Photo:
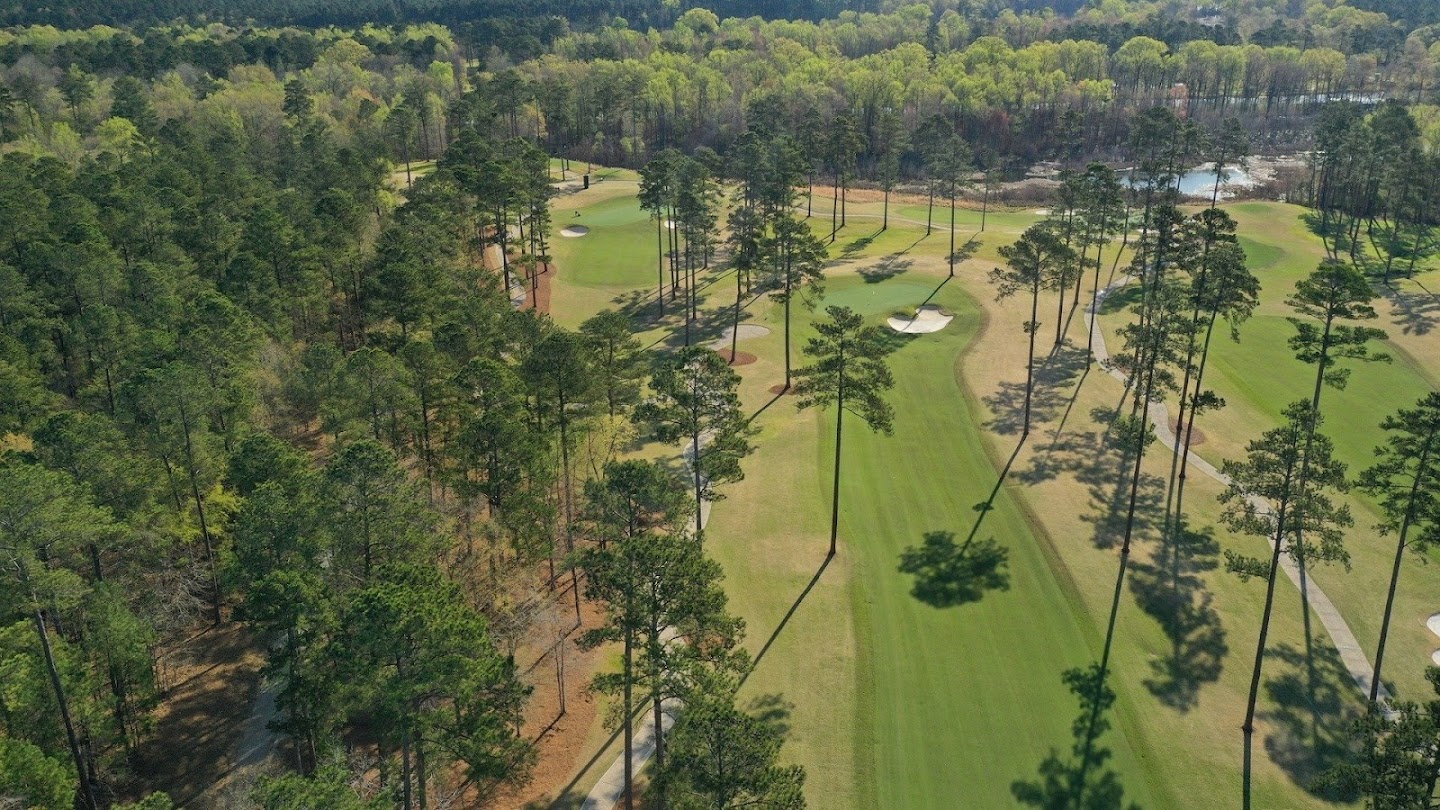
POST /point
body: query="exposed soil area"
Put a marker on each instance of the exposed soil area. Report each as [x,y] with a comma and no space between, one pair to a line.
[211,681]
[537,291]
[559,740]
[738,359]
[1197,438]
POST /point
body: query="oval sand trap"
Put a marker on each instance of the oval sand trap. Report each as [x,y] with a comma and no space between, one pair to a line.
[574,231]
[1435,656]
[928,318]
[745,332]
[1434,624]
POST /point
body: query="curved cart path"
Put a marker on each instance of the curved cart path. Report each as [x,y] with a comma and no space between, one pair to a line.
[1354,658]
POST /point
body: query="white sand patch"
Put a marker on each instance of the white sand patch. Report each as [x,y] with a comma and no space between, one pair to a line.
[574,231]
[670,223]
[1434,624]
[745,332]
[1435,656]
[928,318]
[1042,212]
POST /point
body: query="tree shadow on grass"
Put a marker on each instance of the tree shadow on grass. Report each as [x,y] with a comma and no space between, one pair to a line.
[1054,375]
[1309,733]
[1171,590]
[1120,299]
[780,628]
[773,710]
[857,245]
[966,251]
[885,269]
[1416,313]
[948,574]
[1082,779]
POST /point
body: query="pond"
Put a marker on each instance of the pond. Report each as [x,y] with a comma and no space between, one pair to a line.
[1200,181]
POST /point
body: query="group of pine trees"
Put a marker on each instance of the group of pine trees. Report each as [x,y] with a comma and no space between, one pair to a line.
[240,381]
[1191,274]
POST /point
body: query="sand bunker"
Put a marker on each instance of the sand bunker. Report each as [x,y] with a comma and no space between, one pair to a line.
[928,318]
[1042,212]
[574,231]
[745,332]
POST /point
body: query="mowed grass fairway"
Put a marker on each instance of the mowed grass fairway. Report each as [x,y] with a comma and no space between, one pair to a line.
[891,702]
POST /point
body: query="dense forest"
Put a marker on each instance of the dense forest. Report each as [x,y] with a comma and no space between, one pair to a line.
[257,368]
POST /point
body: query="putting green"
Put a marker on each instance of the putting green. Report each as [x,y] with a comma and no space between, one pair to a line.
[892,702]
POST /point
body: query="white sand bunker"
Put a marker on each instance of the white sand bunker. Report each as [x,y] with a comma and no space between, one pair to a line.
[928,318]
[670,223]
[745,331]
[574,231]
[1042,212]
[1435,656]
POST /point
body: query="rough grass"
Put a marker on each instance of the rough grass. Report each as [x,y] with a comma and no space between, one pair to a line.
[894,702]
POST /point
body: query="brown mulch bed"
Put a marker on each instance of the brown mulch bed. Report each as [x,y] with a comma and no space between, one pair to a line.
[559,741]
[738,359]
[1197,438]
[540,291]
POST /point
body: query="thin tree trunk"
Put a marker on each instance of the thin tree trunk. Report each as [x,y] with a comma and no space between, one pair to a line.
[87,790]
[835,493]
[406,775]
[1420,474]
[200,513]
[930,209]
[1249,727]
[660,250]
[951,257]
[1030,358]
[629,715]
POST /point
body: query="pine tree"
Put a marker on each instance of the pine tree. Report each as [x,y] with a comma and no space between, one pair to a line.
[1406,483]
[1265,499]
[849,374]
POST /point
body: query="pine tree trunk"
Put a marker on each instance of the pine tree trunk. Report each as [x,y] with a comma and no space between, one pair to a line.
[87,790]
[1420,474]
[835,493]
[629,710]
[1249,727]
[1030,358]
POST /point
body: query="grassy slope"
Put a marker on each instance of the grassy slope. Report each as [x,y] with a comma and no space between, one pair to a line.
[893,702]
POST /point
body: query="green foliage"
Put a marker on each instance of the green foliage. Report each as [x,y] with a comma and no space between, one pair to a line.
[723,758]
[1272,471]
[1396,759]
[1406,478]
[849,370]
[695,398]
[1334,292]
[28,776]
[328,788]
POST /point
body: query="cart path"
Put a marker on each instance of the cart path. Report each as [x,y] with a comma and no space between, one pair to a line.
[1351,653]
